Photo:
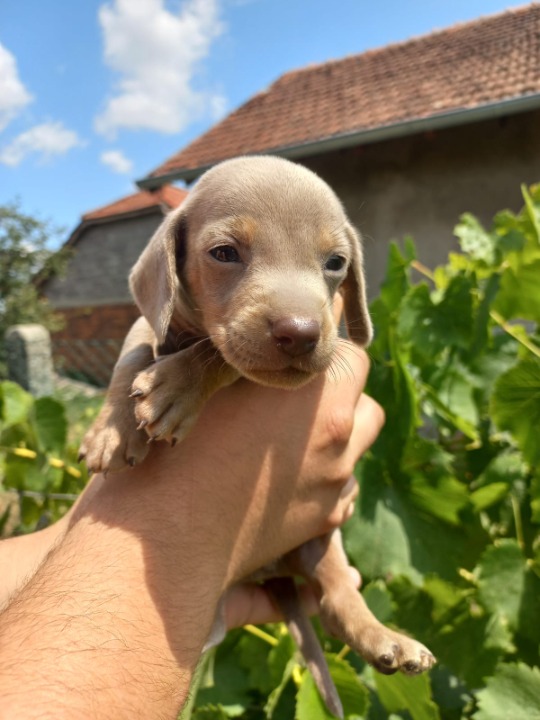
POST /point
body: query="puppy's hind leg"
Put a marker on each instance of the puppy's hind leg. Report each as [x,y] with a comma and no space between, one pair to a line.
[345,614]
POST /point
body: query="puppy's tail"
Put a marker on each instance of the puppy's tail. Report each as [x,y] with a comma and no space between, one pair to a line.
[285,595]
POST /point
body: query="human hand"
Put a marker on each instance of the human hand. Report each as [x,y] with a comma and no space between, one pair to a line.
[250,604]
[134,583]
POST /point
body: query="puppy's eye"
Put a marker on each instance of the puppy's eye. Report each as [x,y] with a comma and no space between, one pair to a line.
[225,254]
[335,263]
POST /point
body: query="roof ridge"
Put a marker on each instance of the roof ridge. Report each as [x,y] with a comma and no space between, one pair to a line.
[129,201]
[436,32]
[479,63]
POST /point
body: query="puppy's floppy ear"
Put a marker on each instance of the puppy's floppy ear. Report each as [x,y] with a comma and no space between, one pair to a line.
[353,290]
[153,280]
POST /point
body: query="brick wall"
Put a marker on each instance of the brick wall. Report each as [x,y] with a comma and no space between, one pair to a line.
[97,322]
[88,345]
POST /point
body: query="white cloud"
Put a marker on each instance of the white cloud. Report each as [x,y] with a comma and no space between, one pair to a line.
[156,52]
[117,162]
[218,107]
[46,140]
[13,95]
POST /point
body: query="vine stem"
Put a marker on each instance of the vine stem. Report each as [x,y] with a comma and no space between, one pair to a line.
[423,270]
[517,521]
[501,322]
[261,634]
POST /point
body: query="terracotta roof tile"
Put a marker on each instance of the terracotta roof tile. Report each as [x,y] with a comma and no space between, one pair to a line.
[167,195]
[462,67]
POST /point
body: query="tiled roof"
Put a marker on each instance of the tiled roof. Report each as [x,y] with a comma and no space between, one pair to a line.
[467,66]
[166,196]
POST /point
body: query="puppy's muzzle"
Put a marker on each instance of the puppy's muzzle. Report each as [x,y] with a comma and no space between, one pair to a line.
[296,336]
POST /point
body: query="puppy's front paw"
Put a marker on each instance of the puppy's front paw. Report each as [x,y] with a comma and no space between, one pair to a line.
[113,442]
[167,402]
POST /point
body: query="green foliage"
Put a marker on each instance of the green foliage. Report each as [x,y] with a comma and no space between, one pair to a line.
[25,256]
[36,457]
[512,692]
[446,530]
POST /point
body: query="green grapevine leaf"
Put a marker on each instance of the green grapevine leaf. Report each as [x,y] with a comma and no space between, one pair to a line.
[513,692]
[278,696]
[532,208]
[474,240]
[389,534]
[230,682]
[443,499]
[353,693]
[509,588]
[413,694]
[279,658]
[396,282]
[378,600]
[50,424]
[515,406]
[309,704]
[431,327]
[15,403]
[489,495]
[519,294]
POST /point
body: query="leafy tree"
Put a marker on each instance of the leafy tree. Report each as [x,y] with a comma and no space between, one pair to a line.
[25,258]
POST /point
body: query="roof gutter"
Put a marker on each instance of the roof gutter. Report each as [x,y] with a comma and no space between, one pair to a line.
[454,118]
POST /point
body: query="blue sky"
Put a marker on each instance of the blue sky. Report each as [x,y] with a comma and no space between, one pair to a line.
[96,93]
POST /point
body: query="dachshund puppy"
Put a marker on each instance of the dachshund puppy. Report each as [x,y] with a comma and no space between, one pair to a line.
[239,281]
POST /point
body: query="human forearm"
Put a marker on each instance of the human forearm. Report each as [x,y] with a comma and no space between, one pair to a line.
[114,609]
[21,556]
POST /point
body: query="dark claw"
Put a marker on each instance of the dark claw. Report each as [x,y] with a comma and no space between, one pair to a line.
[384,670]
[174,441]
[136,394]
[387,660]
[132,462]
[81,456]
[411,667]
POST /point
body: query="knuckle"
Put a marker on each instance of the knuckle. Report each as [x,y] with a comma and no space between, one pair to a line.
[339,515]
[333,521]
[342,472]
[340,424]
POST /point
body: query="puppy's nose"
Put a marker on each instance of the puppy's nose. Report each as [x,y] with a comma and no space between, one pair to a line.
[296,335]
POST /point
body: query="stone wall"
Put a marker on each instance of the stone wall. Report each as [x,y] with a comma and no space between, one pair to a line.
[104,254]
[29,360]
